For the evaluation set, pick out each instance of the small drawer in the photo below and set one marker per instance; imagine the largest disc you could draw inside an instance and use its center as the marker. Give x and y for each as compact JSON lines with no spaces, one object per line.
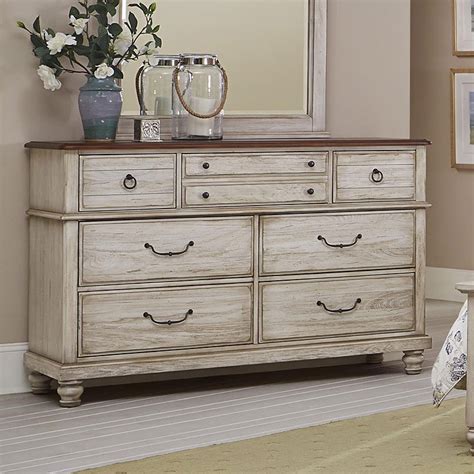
{"x":375,"y":176}
{"x":237,"y":164}
{"x":134,"y":251}
{"x":124,"y":182}
{"x":315,"y":243}
{"x":327,"y":308}
{"x":235,"y":194}
{"x":161,"y":319}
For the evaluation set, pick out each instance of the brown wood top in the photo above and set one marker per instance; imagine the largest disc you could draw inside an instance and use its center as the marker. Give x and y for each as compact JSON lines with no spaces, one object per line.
{"x":229,"y":143}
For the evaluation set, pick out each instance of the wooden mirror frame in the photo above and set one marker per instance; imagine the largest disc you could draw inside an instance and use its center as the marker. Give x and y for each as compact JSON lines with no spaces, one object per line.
{"x":311,"y":124}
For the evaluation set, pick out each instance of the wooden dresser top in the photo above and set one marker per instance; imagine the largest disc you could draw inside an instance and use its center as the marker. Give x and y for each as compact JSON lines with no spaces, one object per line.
{"x":227,"y":143}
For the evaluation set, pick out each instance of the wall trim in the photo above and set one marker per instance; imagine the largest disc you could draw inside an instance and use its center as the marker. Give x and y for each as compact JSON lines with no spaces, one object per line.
{"x":441,"y":282}
{"x":13,"y":376}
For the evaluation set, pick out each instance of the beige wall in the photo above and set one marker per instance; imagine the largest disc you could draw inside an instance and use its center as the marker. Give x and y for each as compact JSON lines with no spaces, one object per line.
{"x":368,"y":95}
{"x":450,"y":222}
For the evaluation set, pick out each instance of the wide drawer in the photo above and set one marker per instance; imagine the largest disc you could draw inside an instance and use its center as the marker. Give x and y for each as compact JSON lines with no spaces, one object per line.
{"x":172,"y":318}
{"x":135,"y":251}
{"x":235,"y":164}
{"x":346,"y":241}
{"x":375,"y":176}
{"x":124,"y":182}
{"x":230,"y":194}
{"x":326,"y":308}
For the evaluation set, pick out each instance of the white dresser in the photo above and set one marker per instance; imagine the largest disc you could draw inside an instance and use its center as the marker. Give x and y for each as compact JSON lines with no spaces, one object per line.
{"x":152,"y":258}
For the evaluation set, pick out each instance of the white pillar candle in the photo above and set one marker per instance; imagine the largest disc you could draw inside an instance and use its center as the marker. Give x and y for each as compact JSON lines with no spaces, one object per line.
{"x":198,"y":126}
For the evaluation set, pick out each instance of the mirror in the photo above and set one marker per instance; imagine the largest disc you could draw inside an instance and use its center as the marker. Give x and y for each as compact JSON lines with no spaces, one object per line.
{"x":272,"y":51}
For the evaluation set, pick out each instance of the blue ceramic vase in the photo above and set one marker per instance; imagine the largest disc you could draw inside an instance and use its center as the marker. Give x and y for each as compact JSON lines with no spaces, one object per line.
{"x":100,"y":105}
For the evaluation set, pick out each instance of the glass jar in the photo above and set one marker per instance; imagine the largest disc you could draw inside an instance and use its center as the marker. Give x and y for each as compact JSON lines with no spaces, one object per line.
{"x":199,"y":94}
{"x":154,"y":85}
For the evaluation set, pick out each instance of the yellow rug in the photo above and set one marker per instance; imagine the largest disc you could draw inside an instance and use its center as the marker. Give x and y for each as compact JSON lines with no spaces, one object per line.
{"x":421,"y":439}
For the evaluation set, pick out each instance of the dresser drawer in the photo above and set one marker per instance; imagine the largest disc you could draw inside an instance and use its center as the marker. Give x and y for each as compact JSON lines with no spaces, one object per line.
{"x":314,"y":243}
{"x":172,"y":318}
{"x":375,"y":176}
{"x":236,"y":164}
{"x":310,"y":309}
{"x":135,"y":251}
{"x":235,"y":194}
{"x":123,"y":182}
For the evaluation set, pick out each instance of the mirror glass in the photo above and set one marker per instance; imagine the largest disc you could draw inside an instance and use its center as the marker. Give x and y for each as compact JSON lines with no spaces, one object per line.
{"x":262,"y":44}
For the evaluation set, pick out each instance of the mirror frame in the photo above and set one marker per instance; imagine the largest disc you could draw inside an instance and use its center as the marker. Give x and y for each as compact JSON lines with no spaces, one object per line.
{"x":312,"y":124}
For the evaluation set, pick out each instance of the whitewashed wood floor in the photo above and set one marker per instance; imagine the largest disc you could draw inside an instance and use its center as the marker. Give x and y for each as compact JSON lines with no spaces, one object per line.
{"x":131,"y":422}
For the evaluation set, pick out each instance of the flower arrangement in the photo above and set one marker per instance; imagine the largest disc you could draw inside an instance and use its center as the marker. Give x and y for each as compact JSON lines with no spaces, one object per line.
{"x":96,"y":45}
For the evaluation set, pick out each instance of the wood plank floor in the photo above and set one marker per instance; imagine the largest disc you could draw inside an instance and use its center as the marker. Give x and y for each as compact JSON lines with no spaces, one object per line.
{"x":122,"y":423}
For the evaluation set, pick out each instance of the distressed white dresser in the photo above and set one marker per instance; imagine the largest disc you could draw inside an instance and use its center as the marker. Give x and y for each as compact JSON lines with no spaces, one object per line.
{"x":151,"y":258}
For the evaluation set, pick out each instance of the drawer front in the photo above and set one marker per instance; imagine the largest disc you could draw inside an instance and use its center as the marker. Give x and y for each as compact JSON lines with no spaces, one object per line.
{"x":113,"y":252}
{"x":235,"y":164}
{"x":301,"y":310}
{"x":176,"y":318}
{"x":375,"y":176}
{"x":128,"y":182}
{"x":314,"y":243}
{"x":235,"y":194}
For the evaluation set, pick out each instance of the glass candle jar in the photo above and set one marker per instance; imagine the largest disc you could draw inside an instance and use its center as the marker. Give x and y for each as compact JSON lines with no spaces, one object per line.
{"x":154,"y":85}
{"x":199,"y":94}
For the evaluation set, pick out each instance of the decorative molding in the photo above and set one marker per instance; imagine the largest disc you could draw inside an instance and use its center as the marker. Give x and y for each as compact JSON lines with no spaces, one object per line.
{"x":13,"y":375}
{"x":441,"y":282}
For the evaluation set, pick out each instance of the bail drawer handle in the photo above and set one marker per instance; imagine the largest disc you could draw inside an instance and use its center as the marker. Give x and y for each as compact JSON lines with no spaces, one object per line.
{"x":169,"y":322}
{"x":129,"y":182}
{"x":340,"y":246}
{"x":169,"y":254}
{"x":376,"y":176}
{"x":340,"y":310}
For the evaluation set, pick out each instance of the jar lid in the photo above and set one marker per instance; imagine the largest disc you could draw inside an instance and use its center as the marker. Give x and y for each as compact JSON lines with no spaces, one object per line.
{"x":166,"y":60}
{"x":203,"y":59}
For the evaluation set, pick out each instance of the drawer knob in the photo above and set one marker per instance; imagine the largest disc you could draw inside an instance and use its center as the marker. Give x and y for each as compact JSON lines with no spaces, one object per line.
{"x":310,"y":191}
{"x":169,"y":254}
{"x":205,"y":165}
{"x":205,"y":195}
{"x":340,"y":310}
{"x":340,"y":246}
{"x":129,"y":182}
{"x":311,"y":164}
{"x":376,"y":176}
{"x":169,"y":322}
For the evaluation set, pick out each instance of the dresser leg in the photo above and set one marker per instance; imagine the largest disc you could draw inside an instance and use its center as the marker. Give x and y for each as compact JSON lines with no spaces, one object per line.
{"x":413,"y":361}
{"x":40,"y":384}
{"x":374,"y":358}
{"x":470,"y":439}
{"x":70,"y":393}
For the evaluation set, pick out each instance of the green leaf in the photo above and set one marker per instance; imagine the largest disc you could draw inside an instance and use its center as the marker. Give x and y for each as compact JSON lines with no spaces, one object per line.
{"x":99,"y":8}
{"x":157,"y":41}
{"x":37,"y":41}
{"x":74,"y":12}
{"x":111,"y":10}
{"x":141,"y":6}
{"x":115,"y":29}
{"x":20,"y":24}
{"x":152,"y":8}
{"x":36,"y":25}
{"x":132,"y":19}
{"x":41,"y":51}
{"x":118,"y":74}
{"x":156,"y":29}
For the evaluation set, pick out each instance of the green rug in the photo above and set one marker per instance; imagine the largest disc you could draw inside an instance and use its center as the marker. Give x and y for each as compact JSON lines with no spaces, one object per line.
{"x":421,"y":439}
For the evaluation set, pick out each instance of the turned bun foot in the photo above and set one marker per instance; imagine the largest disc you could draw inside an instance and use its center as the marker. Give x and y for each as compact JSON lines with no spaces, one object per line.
{"x":40,"y":384}
{"x":70,"y":393}
{"x":374,"y":358}
{"x":413,"y":361}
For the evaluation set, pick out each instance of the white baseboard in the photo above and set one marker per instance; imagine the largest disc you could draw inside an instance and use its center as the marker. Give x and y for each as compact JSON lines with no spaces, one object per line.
{"x":441,"y":282}
{"x":13,"y":376}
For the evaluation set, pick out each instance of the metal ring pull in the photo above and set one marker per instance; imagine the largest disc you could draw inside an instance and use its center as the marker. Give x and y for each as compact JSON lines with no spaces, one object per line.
{"x":376,"y":172}
{"x":169,"y":254}
{"x":169,"y":322}
{"x":340,"y":246}
{"x":128,"y":178}
{"x":340,"y":310}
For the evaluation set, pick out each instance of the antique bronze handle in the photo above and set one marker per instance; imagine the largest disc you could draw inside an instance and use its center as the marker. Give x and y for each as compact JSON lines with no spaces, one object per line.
{"x":311,"y":164}
{"x":340,"y":246}
{"x":205,"y":165}
{"x":340,"y":310}
{"x":169,"y":322}
{"x":378,"y":173}
{"x":205,"y":195}
{"x":169,"y":254}
{"x":310,"y":191}
{"x":129,"y":178}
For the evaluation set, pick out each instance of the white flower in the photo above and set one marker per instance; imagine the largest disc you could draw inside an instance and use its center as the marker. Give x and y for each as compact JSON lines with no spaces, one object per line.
{"x":78,"y":23}
{"x":122,"y":43}
{"x":50,"y":81}
{"x":151,"y":54}
{"x":60,"y":40}
{"x":103,"y":71}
